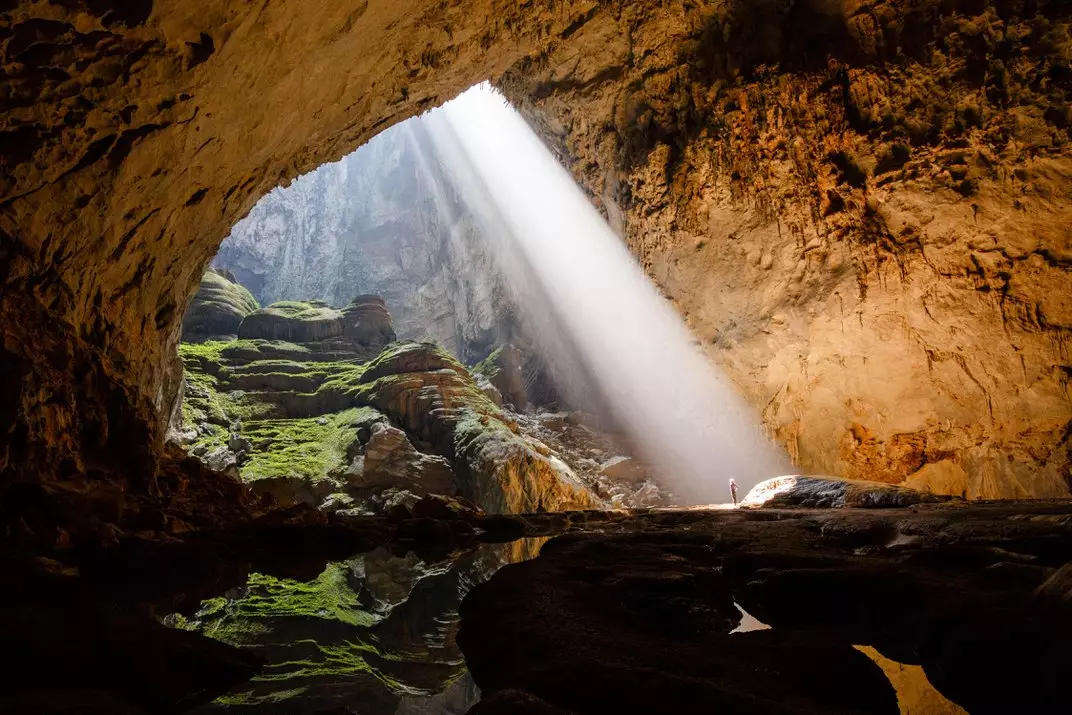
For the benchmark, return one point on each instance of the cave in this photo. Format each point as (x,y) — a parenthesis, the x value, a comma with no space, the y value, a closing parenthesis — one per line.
(858,210)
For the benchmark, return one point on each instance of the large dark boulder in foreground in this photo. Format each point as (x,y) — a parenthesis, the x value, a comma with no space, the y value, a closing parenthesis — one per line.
(653,618)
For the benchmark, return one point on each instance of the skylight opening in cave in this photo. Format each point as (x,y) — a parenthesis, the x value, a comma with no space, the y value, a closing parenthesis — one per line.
(475,237)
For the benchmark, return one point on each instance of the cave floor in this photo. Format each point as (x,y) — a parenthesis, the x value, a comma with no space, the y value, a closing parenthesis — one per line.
(944,608)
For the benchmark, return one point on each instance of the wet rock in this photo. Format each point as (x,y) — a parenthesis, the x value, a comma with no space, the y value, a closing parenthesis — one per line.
(661,597)
(438,506)
(831,492)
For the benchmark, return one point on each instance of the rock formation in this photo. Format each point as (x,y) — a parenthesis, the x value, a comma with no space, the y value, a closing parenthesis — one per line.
(861,208)
(217,308)
(767,612)
(302,407)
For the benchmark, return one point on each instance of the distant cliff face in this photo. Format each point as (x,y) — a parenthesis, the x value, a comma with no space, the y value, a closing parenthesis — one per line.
(381,221)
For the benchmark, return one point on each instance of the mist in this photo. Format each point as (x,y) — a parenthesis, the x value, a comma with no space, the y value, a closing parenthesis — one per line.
(592,308)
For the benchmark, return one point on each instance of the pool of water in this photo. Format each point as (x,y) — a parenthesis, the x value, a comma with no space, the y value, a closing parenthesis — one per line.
(373,634)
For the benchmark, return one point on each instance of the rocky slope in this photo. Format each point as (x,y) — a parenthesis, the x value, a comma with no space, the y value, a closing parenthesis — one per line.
(317,405)
(862,210)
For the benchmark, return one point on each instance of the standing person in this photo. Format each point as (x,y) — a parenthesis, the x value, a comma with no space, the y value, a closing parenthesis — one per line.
(733,490)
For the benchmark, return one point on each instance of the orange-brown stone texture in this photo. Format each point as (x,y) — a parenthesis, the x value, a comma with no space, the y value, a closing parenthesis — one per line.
(863,209)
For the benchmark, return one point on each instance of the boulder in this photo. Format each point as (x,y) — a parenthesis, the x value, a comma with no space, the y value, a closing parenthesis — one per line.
(217,308)
(223,460)
(833,492)
(391,460)
(293,321)
(624,469)
(425,390)
(367,322)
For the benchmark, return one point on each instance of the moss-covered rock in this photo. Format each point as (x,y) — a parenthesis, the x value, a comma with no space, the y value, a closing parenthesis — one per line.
(424,389)
(218,308)
(294,321)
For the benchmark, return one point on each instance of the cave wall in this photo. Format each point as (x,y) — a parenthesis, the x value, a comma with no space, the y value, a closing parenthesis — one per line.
(863,209)
(133,136)
(386,221)
(882,318)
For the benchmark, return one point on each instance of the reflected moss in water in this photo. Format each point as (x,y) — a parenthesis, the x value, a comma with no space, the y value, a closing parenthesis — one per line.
(377,629)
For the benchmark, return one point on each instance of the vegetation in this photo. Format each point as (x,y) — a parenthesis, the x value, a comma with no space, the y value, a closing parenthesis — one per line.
(302,310)
(311,447)
(489,366)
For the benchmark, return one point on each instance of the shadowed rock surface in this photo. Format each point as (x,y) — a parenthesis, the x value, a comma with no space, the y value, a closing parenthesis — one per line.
(830,492)
(641,617)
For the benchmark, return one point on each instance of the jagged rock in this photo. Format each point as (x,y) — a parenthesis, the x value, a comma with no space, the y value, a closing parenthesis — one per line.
(390,460)
(218,308)
(430,394)
(831,492)
(223,460)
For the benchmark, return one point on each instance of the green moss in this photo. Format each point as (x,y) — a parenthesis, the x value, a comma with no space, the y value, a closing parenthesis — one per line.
(301,447)
(488,367)
(217,288)
(249,698)
(301,310)
(329,597)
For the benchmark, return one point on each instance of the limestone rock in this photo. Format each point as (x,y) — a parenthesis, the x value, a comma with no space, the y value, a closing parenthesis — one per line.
(217,308)
(623,468)
(429,393)
(223,460)
(390,460)
(366,321)
(293,321)
(831,492)
(888,302)
(503,368)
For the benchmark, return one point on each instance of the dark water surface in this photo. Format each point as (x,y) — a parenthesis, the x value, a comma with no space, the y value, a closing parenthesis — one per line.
(374,634)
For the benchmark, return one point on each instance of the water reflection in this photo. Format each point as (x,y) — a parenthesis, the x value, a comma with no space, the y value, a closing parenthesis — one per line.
(915,694)
(375,633)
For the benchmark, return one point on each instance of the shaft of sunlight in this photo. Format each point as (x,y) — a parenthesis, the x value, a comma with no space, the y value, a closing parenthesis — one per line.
(589,301)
